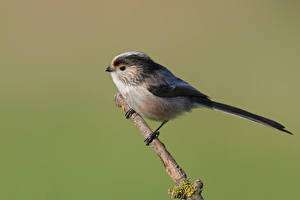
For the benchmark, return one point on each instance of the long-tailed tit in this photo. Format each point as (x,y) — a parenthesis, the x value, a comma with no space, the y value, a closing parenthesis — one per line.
(154,92)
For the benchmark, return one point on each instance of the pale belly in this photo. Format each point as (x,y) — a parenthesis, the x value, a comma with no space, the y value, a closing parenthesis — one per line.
(150,106)
(156,108)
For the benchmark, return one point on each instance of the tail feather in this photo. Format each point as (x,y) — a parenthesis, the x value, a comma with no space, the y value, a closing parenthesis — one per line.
(244,114)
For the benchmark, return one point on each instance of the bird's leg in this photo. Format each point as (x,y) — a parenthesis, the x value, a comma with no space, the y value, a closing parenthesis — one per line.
(154,134)
(129,113)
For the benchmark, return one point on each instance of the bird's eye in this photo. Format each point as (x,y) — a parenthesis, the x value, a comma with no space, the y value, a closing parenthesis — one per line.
(122,68)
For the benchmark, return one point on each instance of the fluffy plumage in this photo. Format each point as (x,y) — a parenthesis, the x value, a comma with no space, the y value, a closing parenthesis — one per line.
(154,92)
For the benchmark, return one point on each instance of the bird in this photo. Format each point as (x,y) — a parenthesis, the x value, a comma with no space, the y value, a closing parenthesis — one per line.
(154,92)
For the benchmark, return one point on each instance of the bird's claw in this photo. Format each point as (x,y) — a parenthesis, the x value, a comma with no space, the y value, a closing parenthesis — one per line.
(129,113)
(151,137)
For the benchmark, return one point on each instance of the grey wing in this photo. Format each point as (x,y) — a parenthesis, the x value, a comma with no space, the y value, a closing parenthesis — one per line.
(175,88)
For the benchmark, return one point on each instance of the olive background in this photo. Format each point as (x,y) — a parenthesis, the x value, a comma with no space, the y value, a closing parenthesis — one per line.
(62,137)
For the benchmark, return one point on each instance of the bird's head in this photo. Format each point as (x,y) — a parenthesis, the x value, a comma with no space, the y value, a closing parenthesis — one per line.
(131,67)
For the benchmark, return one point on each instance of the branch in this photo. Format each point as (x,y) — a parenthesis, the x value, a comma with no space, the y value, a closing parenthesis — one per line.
(184,189)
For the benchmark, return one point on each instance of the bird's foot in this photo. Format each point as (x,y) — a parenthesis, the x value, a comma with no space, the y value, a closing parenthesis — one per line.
(151,137)
(129,113)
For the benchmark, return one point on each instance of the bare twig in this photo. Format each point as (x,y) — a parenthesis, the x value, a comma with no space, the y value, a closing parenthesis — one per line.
(172,168)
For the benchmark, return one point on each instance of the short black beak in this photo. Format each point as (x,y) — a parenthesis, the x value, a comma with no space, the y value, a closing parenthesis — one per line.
(108,69)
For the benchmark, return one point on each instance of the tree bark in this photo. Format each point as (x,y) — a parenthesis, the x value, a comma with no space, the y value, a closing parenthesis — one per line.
(175,172)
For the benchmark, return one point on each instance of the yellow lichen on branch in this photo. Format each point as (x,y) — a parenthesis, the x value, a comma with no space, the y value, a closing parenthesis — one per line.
(184,190)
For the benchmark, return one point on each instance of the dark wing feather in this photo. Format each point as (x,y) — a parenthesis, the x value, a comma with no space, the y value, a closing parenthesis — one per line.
(175,88)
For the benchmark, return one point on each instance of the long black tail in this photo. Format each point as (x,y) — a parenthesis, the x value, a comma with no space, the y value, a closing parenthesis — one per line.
(244,114)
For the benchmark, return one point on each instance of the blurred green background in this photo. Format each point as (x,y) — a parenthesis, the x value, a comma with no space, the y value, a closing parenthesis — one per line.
(63,138)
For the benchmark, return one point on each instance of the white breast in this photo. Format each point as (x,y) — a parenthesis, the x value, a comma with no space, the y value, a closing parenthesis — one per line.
(120,85)
(130,93)
(149,105)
